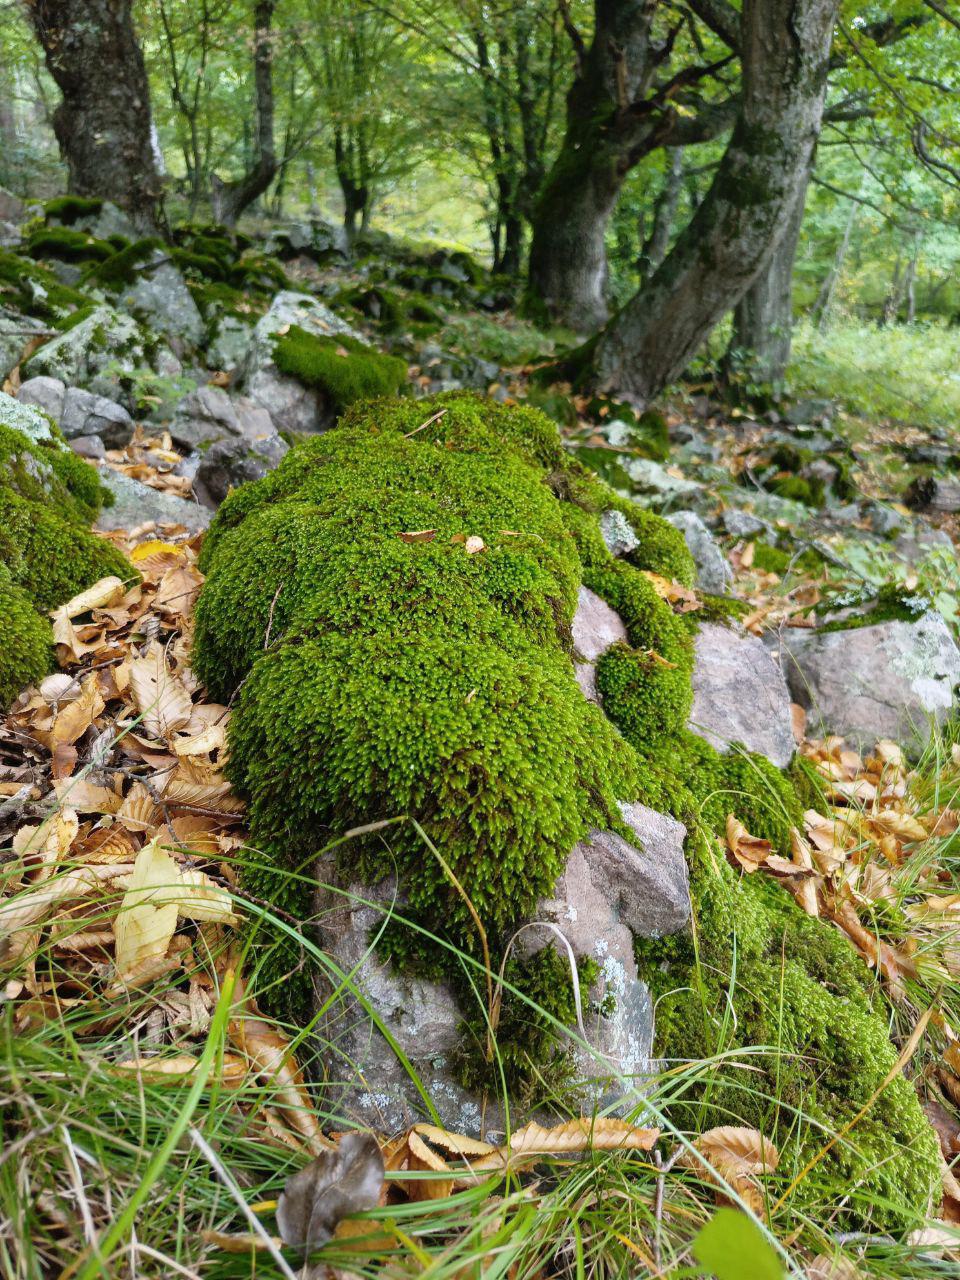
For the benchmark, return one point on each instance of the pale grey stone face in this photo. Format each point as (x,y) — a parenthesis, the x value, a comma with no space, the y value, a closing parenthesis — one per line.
(714,573)
(890,680)
(740,695)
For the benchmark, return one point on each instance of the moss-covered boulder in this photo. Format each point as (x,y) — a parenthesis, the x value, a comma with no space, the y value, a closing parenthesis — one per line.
(305,364)
(394,605)
(48,497)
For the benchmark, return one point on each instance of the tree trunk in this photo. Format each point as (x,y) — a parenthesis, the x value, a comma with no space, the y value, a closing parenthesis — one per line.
(654,248)
(824,301)
(103,121)
(786,46)
(568,261)
(763,318)
(231,198)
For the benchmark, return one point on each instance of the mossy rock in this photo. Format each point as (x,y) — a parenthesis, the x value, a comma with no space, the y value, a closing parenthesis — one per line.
(48,497)
(70,209)
(381,669)
(34,290)
(343,368)
(69,245)
(121,267)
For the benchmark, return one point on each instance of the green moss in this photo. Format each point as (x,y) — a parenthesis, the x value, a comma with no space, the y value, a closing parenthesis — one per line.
(771,559)
(343,368)
(120,268)
(892,603)
(77,317)
(47,554)
(69,209)
(68,245)
(34,290)
(25,640)
(381,676)
(819,1051)
(797,489)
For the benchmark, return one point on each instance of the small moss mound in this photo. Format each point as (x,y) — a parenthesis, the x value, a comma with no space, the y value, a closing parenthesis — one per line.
(69,245)
(120,269)
(70,209)
(48,497)
(30,288)
(343,368)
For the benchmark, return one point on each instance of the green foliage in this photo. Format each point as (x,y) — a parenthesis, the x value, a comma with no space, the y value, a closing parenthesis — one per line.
(343,368)
(33,289)
(26,651)
(731,1247)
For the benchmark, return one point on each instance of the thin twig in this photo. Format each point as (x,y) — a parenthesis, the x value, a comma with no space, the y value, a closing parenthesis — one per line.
(438,414)
(663,1168)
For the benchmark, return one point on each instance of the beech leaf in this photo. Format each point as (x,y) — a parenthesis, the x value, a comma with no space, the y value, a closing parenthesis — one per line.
(346,1179)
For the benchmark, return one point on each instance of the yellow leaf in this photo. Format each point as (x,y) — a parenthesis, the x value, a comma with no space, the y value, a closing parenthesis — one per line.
(106,592)
(144,927)
(153,548)
(736,1149)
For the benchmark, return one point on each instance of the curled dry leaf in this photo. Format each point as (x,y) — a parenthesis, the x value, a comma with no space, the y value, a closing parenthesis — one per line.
(161,698)
(182,1066)
(748,852)
(147,918)
(342,1180)
(737,1149)
(473,544)
(417,535)
(103,594)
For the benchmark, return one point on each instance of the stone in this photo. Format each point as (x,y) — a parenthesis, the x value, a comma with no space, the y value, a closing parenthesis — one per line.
(16,331)
(230,463)
(890,680)
(229,342)
(47,394)
(810,413)
(617,533)
(90,447)
(136,503)
(98,354)
(740,695)
(884,520)
(160,298)
(619,433)
(595,628)
(714,572)
(86,414)
(292,406)
(744,524)
(931,493)
(26,418)
(652,477)
(917,542)
(610,889)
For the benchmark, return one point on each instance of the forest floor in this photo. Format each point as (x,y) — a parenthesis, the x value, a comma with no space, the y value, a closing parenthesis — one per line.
(165,1113)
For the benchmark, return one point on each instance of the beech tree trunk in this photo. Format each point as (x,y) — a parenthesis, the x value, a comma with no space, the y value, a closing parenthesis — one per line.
(103,121)
(568,262)
(231,198)
(763,318)
(785,51)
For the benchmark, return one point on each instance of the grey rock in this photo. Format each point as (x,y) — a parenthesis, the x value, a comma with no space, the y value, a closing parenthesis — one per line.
(884,520)
(25,418)
(160,298)
(652,477)
(743,524)
(595,628)
(229,342)
(619,433)
(89,447)
(811,412)
(9,234)
(47,394)
(916,543)
(617,533)
(609,890)
(714,572)
(96,354)
(136,503)
(15,332)
(740,695)
(230,463)
(86,414)
(291,406)
(209,413)
(889,680)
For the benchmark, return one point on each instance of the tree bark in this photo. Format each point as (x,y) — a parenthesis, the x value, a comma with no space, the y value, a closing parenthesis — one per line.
(103,121)
(763,318)
(785,52)
(824,300)
(654,248)
(568,262)
(231,198)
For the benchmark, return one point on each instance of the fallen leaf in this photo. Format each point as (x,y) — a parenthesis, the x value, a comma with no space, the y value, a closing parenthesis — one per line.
(147,918)
(418,535)
(345,1179)
(748,852)
(161,699)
